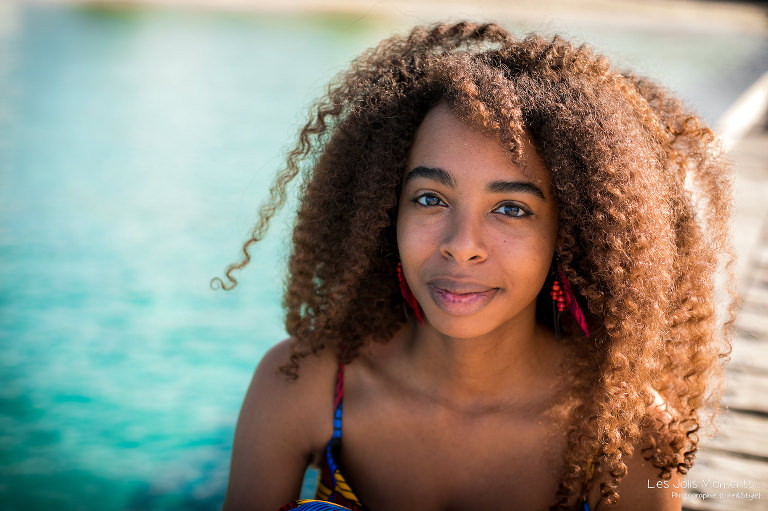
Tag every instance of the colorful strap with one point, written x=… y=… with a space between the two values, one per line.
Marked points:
x=312 y=505
x=331 y=485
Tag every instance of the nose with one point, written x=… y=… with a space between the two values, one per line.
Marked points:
x=462 y=240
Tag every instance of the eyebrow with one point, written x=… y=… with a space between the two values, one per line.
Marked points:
x=515 y=186
x=444 y=178
x=433 y=173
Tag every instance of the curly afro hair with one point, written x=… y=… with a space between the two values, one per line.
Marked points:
x=643 y=199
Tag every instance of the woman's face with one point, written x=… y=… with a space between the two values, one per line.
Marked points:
x=476 y=233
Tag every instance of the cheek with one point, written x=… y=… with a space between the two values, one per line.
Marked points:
x=526 y=258
x=400 y=230
x=414 y=239
x=541 y=240
x=406 y=240
x=524 y=252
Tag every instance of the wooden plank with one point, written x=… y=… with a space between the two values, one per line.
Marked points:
x=746 y=391
x=760 y=253
x=758 y=276
x=741 y=434
x=713 y=475
x=752 y=324
x=755 y=297
x=749 y=355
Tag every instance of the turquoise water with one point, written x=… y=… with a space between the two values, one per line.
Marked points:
x=136 y=145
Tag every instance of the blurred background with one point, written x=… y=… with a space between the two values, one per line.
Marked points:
x=137 y=139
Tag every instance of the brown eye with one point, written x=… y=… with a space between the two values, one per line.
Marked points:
x=512 y=210
x=428 y=200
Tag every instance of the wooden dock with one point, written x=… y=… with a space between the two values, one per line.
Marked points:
x=731 y=470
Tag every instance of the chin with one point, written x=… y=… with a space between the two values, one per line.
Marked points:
x=461 y=327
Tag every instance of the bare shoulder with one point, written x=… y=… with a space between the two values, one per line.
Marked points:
x=310 y=392
x=642 y=488
x=283 y=423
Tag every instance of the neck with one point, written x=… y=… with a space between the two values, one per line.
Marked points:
x=516 y=362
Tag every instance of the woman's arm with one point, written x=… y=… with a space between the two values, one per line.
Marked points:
x=282 y=424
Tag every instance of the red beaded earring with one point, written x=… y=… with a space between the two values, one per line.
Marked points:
x=562 y=297
x=558 y=305
x=558 y=297
x=410 y=300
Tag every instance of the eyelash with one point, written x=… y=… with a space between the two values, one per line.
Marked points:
x=524 y=211
x=418 y=199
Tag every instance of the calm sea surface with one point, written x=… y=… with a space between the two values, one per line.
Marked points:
x=135 y=146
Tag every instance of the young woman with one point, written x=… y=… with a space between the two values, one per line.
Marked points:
x=501 y=287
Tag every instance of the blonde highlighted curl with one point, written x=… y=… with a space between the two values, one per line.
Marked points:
x=643 y=201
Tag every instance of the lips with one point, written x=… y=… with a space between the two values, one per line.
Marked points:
x=460 y=297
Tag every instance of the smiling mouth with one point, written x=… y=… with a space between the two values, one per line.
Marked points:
x=460 y=302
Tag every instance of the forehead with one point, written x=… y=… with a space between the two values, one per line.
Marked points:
x=446 y=141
